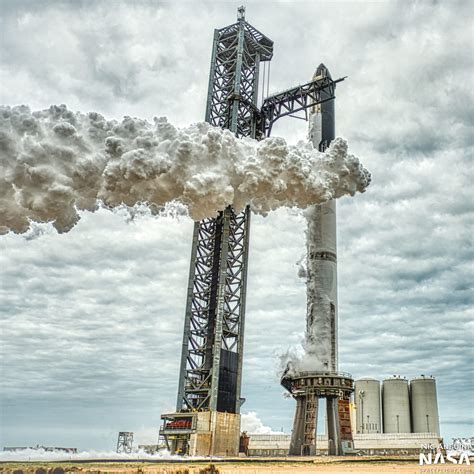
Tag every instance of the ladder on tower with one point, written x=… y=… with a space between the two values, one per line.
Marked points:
x=310 y=413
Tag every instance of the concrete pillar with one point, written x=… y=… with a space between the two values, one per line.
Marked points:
x=334 y=432
x=297 y=435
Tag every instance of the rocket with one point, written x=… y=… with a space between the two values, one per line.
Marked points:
x=321 y=290
x=321 y=316
x=319 y=367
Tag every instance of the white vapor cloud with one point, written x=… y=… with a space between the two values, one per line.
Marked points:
x=57 y=161
x=33 y=454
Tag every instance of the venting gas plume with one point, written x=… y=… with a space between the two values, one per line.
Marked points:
x=56 y=162
x=41 y=455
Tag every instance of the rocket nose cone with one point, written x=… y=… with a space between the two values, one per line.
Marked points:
x=322 y=71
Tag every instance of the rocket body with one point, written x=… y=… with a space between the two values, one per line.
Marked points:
x=321 y=316
x=321 y=264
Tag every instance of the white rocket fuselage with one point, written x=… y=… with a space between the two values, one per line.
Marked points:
x=321 y=318
x=321 y=294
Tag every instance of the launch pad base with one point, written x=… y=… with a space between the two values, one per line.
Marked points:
x=323 y=384
x=204 y=433
x=307 y=388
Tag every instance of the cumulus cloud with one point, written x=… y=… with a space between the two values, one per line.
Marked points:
x=252 y=424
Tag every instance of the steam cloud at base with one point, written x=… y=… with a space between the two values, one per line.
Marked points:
x=56 y=162
x=31 y=454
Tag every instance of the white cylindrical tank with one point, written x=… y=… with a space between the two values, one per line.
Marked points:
x=396 y=405
x=424 y=405
x=368 y=406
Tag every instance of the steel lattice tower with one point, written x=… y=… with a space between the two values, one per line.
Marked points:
x=125 y=442
x=211 y=360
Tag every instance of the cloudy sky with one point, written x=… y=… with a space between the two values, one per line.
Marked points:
x=92 y=319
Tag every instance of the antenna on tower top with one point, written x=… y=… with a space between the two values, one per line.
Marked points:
x=241 y=13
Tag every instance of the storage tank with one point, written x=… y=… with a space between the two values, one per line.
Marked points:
x=368 y=405
x=424 y=405
x=396 y=405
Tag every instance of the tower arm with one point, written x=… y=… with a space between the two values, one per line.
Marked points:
x=295 y=100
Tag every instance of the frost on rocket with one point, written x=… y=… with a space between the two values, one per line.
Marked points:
x=56 y=162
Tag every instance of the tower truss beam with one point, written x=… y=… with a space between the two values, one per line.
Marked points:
x=297 y=99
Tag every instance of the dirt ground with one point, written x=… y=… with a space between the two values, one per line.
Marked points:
x=245 y=466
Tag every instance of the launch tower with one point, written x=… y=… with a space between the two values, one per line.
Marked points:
x=207 y=417
x=125 y=442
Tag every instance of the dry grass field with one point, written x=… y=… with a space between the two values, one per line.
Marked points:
x=369 y=465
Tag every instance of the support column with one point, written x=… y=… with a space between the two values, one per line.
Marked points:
x=297 y=434
x=334 y=432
